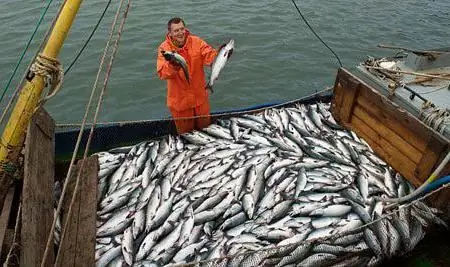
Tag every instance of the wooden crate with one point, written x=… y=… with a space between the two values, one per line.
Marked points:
x=408 y=145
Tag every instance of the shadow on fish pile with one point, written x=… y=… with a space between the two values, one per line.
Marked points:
x=283 y=187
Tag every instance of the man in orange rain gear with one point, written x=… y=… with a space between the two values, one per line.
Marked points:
x=186 y=98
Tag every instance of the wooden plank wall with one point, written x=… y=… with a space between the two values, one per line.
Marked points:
x=404 y=142
x=6 y=230
x=37 y=192
x=78 y=246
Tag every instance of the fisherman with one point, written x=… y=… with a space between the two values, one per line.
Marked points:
x=186 y=96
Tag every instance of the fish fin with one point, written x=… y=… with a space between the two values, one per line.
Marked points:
x=247 y=131
x=284 y=195
x=179 y=189
x=131 y=212
x=226 y=235
x=230 y=53
x=303 y=193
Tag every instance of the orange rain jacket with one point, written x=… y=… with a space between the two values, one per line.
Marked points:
x=182 y=95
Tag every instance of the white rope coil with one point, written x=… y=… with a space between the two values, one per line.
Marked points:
x=52 y=71
x=436 y=118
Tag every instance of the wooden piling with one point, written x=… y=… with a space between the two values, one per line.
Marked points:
x=78 y=245
x=5 y=229
x=37 y=193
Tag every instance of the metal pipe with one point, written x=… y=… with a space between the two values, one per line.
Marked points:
x=419 y=190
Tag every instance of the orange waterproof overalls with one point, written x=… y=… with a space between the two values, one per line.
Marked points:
x=187 y=99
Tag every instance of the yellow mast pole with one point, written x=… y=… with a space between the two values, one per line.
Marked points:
x=13 y=136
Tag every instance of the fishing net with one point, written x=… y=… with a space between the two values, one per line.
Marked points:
x=285 y=186
x=367 y=245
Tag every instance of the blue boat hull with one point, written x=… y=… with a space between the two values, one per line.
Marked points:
x=114 y=135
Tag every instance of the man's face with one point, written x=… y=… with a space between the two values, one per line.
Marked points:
x=178 y=33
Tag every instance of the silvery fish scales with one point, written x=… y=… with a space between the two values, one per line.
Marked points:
x=221 y=59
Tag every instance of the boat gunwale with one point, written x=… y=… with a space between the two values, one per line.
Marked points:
x=122 y=133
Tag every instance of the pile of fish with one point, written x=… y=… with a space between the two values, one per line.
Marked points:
x=255 y=190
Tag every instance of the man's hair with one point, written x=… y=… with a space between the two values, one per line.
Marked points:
x=175 y=20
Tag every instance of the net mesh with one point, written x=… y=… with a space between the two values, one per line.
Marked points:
x=368 y=245
x=332 y=218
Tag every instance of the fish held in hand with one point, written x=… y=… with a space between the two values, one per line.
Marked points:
x=220 y=61
x=177 y=59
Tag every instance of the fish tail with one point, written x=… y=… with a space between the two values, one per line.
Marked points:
x=209 y=87
x=186 y=73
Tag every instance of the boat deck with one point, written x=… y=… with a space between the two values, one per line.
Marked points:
x=408 y=80
x=78 y=245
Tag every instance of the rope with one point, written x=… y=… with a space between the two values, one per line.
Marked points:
x=436 y=118
x=86 y=150
x=372 y=65
x=410 y=73
x=16 y=91
x=40 y=48
x=26 y=49
x=89 y=38
x=335 y=236
x=14 y=243
x=69 y=172
x=52 y=72
x=9 y=168
x=318 y=37
x=435 y=90
x=402 y=206
x=70 y=125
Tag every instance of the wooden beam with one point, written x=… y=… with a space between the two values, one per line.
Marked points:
x=348 y=88
x=349 y=102
x=78 y=245
x=88 y=214
x=4 y=219
x=37 y=194
x=338 y=96
x=430 y=157
x=67 y=250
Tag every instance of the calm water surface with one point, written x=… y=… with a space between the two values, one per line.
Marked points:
x=276 y=57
